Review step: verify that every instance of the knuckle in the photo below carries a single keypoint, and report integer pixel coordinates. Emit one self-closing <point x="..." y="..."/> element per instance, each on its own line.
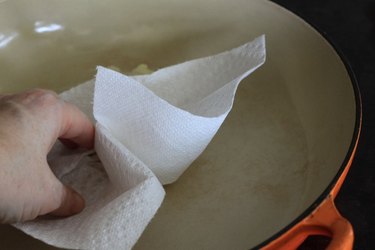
<point x="46" y="95"/>
<point x="12" y="108"/>
<point x="43" y="98"/>
<point x="42" y="91"/>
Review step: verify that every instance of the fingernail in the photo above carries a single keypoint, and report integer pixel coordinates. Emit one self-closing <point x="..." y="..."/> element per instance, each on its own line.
<point x="78" y="204"/>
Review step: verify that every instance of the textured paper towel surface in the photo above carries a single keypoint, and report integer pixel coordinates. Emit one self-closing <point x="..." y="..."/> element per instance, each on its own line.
<point x="149" y="130"/>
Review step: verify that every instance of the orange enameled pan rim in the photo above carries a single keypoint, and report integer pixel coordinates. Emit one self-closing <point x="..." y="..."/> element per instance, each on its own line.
<point x="335" y="184"/>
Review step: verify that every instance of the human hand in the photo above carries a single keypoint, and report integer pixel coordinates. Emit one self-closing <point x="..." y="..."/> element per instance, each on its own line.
<point x="30" y="124"/>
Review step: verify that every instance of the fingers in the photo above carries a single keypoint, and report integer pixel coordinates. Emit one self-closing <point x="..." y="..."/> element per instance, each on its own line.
<point x="76" y="127"/>
<point x="29" y="188"/>
<point x="66" y="120"/>
<point x="73" y="127"/>
<point x="70" y="202"/>
<point x="46" y="196"/>
<point x="58" y="199"/>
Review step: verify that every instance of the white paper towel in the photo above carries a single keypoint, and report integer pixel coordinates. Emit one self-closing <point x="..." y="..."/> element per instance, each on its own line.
<point x="149" y="129"/>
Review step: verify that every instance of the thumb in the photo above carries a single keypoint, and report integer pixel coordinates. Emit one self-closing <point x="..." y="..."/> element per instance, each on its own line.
<point x="69" y="202"/>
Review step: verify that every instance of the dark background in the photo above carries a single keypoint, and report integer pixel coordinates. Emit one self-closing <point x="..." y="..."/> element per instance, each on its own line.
<point x="350" y="25"/>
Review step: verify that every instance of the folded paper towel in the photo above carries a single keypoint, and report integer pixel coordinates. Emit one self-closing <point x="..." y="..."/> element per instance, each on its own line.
<point x="149" y="129"/>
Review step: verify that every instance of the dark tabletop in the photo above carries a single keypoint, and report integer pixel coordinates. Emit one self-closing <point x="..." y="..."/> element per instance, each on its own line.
<point x="350" y="25"/>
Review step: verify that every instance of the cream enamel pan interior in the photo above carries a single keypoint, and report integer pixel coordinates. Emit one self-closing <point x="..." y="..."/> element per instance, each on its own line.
<point x="282" y="145"/>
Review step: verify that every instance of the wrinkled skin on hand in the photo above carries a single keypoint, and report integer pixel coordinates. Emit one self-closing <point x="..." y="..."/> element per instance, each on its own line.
<point x="30" y="124"/>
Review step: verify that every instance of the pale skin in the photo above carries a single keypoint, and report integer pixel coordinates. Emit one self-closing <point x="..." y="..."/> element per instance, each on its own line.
<point x="30" y="124"/>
